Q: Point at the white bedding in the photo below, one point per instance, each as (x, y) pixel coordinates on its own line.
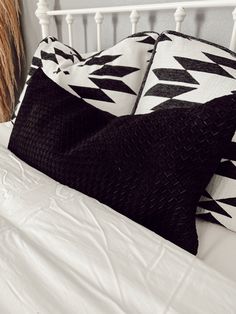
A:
(5, 133)
(63, 252)
(217, 247)
(215, 242)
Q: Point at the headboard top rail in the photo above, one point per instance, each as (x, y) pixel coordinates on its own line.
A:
(43, 13)
(148, 7)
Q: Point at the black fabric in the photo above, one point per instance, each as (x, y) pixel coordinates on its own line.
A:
(151, 168)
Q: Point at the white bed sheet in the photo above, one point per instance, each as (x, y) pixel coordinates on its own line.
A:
(63, 252)
(217, 247)
(5, 133)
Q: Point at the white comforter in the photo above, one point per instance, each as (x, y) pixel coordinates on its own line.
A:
(63, 252)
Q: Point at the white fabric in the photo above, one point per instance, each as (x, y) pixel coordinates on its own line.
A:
(63, 252)
(5, 133)
(217, 247)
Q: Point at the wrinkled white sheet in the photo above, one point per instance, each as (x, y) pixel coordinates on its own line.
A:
(65, 253)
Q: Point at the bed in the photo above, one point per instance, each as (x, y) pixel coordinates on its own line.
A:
(65, 251)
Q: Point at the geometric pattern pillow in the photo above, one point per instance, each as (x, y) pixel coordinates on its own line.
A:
(108, 80)
(185, 71)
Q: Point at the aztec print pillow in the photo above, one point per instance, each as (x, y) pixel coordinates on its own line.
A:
(185, 71)
(143, 166)
(109, 79)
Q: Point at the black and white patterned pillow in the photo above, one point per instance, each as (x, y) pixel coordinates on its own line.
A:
(109, 80)
(185, 71)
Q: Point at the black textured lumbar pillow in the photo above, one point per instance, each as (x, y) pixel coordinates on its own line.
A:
(151, 168)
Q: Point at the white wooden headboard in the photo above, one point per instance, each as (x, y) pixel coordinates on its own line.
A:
(43, 13)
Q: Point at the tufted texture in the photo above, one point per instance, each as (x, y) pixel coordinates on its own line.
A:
(151, 168)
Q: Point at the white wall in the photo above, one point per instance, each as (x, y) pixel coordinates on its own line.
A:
(212, 24)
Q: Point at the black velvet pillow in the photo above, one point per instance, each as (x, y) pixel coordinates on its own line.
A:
(151, 168)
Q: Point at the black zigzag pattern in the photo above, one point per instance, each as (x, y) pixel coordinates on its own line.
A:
(67, 56)
(37, 62)
(148, 40)
(48, 56)
(221, 60)
(101, 60)
(175, 103)
(184, 76)
(176, 75)
(91, 93)
(230, 201)
(227, 169)
(98, 66)
(167, 90)
(114, 85)
(202, 66)
(214, 206)
(208, 217)
(114, 70)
